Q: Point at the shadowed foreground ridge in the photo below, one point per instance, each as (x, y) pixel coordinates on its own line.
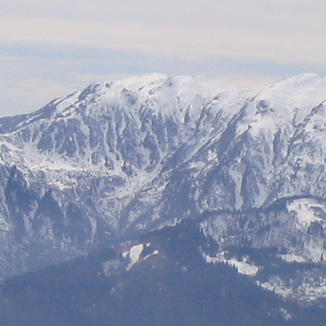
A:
(173, 287)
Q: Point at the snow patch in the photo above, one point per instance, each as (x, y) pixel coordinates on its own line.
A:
(305, 211)
(309, 289)
(134, 253)
(277, 286)
(243, 267)
(291, 258)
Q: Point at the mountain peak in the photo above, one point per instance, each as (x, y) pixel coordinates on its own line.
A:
(301, 82)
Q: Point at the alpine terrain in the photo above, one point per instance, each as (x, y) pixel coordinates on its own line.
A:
(151, 170)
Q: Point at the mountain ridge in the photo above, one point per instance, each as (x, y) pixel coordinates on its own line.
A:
(123, 158)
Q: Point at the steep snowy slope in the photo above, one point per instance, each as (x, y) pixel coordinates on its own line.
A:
(125, 157)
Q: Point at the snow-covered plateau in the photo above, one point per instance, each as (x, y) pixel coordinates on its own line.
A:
(123, 158)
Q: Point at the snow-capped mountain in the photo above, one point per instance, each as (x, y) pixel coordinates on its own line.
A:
(123, 158)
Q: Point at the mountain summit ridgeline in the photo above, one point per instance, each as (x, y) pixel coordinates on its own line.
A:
(124, 158)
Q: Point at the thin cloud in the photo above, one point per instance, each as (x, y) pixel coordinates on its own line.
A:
(186, 42)
(72, 42)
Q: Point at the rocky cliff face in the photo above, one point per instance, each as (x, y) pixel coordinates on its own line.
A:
(123, 158)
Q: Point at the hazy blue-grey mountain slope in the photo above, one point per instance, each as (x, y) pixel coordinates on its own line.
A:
(122, 158)
(161, 280)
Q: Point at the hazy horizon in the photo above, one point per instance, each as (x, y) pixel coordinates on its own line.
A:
(51, 49)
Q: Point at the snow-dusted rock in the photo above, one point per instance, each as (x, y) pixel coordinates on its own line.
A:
(125, 157)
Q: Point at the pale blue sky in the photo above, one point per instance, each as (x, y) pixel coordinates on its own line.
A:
(48, 50)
